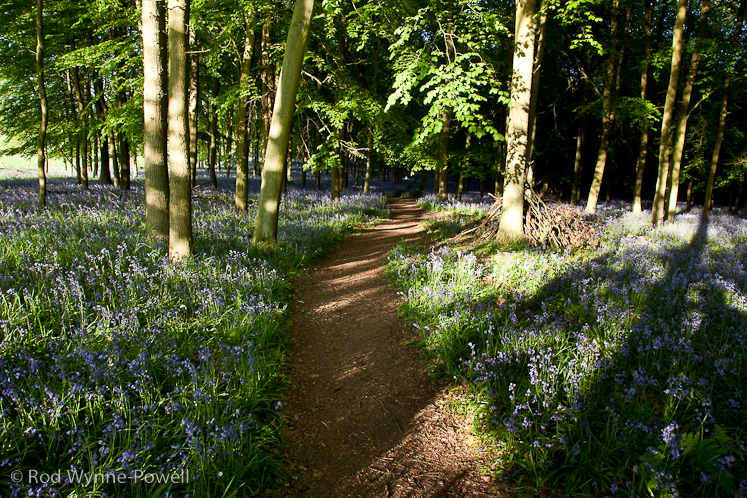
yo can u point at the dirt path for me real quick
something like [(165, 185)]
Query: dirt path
[(363, 418)]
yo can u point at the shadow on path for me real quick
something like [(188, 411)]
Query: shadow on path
[(363, 417)]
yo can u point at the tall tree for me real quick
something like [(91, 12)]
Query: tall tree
[(213, 150), (180, 181), (723, 112), (511, 226), (442, 156), (266, 224), (155, 109), (242, 147), (643, 141), (193, 107), (608, 115), (42, 138), (536, 77), (83, 114), (683, 111), (657, 214)]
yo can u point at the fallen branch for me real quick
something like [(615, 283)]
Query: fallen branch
[(557, 224)]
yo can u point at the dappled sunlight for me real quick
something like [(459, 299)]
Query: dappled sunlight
[(618, 342)]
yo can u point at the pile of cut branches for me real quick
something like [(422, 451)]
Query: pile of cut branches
[(555, 224)]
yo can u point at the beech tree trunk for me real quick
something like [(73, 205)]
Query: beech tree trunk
[(722, 116), (541, 38), (155, 108), (213, 151), (608, 117), (113, 153), (683, 111), (511, 226), (82, 112), (657, 214), (41, 139), (194, 104), (242, 168), (369, 156), (580, 142), (266, 224), (180, 202), (443, 156), (643, 142), (106, 176)]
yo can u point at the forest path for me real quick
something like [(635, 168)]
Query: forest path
[(363, 418)]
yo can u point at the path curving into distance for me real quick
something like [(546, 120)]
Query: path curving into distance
[(363, 418)]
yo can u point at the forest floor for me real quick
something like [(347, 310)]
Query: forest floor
[(363, 416)]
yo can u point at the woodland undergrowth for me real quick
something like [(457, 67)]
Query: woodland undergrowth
[(113, 361), (610, 371)]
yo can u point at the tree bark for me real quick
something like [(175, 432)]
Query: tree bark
[(213, 151), (657, 213), (511, 226), (124, 161), (683, 111), (194, 104), (580, 142), (608, 117), (106, 176), (242, 168), (369, 156), (155, 108), (41, 139), (82, 112), (180, 204), (643, 142), (541, 38), (266, 224), (443, 155), (268, 82), (113, 153), (722, 117)]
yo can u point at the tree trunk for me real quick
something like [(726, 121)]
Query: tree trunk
[(266, 224), (242, 169), (229, 146), (194, 103), (180, 204), (79, 179), (683, 111), (738, 200), (541, 38), (124, 161), (580, 142), (213, 152), (689, 194), (106, 174), (268, 82), (113, 153), (84, 131), (443, 155), (41, 139), (369, 156), (722, 117), (657, 214), (643, 142), (155, 108), (511, 226), (460, 186), (608, 117)]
